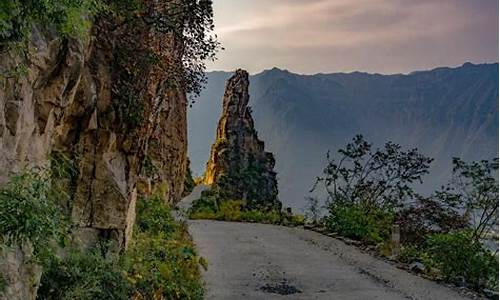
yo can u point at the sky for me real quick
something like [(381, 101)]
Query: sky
[(376, 36)]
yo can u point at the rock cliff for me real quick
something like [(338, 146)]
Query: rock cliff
[(113, 106), (103, 104), (238, 167)]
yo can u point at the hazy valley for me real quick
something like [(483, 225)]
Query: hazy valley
[(445, 112)]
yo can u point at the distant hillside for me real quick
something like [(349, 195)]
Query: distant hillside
[(444, 112)]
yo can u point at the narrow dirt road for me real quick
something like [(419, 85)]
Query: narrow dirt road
[(256, 261)]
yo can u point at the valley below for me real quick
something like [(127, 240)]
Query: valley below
[(445, 113)]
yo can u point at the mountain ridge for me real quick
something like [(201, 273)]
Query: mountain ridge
[(467, 63), (444, 112)]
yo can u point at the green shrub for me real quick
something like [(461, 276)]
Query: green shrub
[(234, 211), (153, 217), (296, 220), (356, 222), (230, 211), (29, 213), (207, 202), (161, 262), (257, 216), (83, 276), (204, 208), (167, 266), (409, 254), (457, 255), (203, 215), (427, 216)]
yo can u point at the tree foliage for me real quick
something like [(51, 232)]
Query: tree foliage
[(460, 258), (30, 214), (373, 178), (426, 216), (71, 18), (190, 21), (473, 190)]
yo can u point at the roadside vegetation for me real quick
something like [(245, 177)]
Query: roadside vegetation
[(160, 262), (443, 236), (210, 207)]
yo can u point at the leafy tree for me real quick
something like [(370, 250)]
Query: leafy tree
[(379, 178), (473, 190), (191, 23), (426, 216)]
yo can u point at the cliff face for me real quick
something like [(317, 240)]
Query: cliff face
[(105, 109), (112, 106), (238, 167)]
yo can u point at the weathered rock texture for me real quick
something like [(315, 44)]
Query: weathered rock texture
[(20, 275), (239, 168), (109, 105)]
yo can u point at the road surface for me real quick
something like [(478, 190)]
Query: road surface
[(257, 261)]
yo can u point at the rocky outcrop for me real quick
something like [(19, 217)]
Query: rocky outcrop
[(239, 168), (19, 274)]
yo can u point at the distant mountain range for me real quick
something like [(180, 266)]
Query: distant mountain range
[(445, 112)]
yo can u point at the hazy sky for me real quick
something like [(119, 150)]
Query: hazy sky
[(383, 36)]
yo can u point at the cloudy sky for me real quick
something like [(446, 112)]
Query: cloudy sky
[(378, 36)]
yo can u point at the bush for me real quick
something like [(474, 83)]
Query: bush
[(153, 217), (205, 207), (230, 211), (409, 254), (234, 211), (257, 216), (167, 266), (356, 222), (83, 276), (428, 216), (161, 262), (382, 178), (29, 213), (457, 255)]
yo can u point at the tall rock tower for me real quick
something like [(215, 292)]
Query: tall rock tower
[(239, 168)]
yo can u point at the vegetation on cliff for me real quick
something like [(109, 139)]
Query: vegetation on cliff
[(30, 214), (191, 22), (160, 262)]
